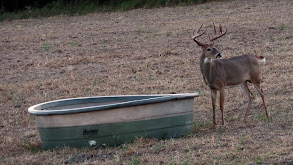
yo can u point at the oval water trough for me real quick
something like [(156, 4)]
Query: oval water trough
[(113, 120)]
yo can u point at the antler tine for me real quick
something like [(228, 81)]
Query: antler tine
[(197, 35), (218, 35), (194, 36), (221, 29), (214, 28), (199, 28)]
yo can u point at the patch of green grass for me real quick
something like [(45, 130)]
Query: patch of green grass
[(288, 118), (272, 39), (290, 105), (17, 99), (124, 147), (2, 160), (243, 139), (201, 93), (201, 124), (74, 43), (270, 49), (258, 160), (172, 163), (159, 148), (105, 42), (98, 81), (140, 31), (156, 31), (283, 27), (263, 117), (135, 160), (148, 65), (34, 148), (186, 162), (207, 7), (150, 77), (47, 46)]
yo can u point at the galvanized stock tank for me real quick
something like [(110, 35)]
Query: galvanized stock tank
[(113, 120)]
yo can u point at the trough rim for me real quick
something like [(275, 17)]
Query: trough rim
[(157, 99)]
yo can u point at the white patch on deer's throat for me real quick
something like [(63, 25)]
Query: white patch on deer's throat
[(206, 60), (263, 60)]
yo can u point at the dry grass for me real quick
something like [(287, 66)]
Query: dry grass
[(146, 52)]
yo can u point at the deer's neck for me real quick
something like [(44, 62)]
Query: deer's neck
[(206, 69), (204, 64), (202, 57)]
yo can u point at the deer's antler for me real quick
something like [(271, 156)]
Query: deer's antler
[(196, 35), (217, 35)]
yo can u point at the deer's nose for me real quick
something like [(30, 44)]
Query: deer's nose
[(218, 55)]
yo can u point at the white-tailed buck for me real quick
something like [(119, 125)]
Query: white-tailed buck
[(221, 73)]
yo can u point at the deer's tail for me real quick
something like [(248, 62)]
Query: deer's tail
[(261, 59)]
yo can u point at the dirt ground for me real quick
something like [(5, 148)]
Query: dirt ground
[(149, 51)]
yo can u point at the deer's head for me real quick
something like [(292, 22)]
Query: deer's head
[(208, 48)]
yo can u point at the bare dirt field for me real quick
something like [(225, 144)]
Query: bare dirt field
[(149, 51)]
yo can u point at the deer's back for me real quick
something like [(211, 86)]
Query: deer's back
[(234, 70)]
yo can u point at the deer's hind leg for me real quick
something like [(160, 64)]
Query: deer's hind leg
[(260, 91), (249, 96)]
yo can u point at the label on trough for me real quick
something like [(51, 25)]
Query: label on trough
[(90, 132)]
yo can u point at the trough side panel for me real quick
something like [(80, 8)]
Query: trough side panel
[(117, 133), (134, 113)]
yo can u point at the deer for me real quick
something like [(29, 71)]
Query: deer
[(219, 73)]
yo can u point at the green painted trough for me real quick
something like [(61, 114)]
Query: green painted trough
[(113, 120)]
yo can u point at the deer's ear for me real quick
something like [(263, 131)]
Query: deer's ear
[(203, 48)]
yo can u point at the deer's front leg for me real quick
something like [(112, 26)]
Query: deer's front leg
[(222, 100), (214, 99)]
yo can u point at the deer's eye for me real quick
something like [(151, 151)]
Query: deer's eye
[(209, 49)]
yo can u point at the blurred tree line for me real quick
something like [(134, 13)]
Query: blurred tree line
[(16, 5), (20, 5)]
